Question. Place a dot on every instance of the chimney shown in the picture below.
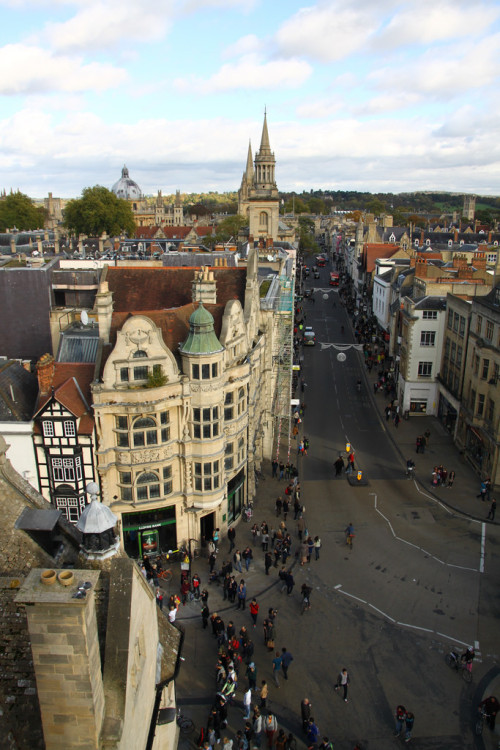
(45, 369)
(479, 262)
(104, 304)
(65, 648)
(269, 242)
(455, 235)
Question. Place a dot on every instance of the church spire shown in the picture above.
(264, 141)
(249, 169)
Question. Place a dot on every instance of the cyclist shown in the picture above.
(349, 533)
(490, 706)
(468, 658)
(410, 467)
(306, 596)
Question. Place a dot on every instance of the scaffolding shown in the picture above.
(284, 301)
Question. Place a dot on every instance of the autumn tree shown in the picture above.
(98, 211)
(18, 210)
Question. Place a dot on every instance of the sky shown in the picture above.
(386, 96)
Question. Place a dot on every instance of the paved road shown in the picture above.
(389, 609)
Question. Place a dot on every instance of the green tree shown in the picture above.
(230, 227)
(98, 211)
(307, 243)
(375, 206)
(18, 210)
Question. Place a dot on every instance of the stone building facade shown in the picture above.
(183, 400)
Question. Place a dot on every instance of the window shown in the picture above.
(459, 356)
(140, 373)
(475, 364)
(48, 428)
(472, 402)
(124, 374)
(205, 372)
(241, 401)
(427, 338)
(144, 432)
(214, 369)
(70, 507)
(491, 410)
(496, 368)
(167, 480)
(228, 457)
(462, 325)
(447, 345)
(207, 476)
(489, 330)
(228, 407)
(57, 470)
(241, 450)
(165, 431)
(485, 368)
(479, 324)
(148, 486)
(196, 372)
(139, 354)
(424, 369)
(206, 422)
(429, 315)
(121, 426)
(69, 428)
(453, 352)
(63, 469)
(480, 404)
(263, 219)
(449, 321)
(125, 486)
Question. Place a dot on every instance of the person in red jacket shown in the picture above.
(254, 611)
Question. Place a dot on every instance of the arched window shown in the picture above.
(144, 432)
(263, 219)
(140, 353)
(148, 486)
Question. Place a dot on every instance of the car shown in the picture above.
(316, 274)
(307, 293)
(309, 337)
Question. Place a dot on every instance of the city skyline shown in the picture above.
(392, 98)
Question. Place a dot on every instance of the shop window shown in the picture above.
(418, 407)
(48, 428)
(148, 487)
(424, 369)
(144, 432)
(427, 338)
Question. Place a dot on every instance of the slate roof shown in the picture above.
(431, 303)
(18, 392)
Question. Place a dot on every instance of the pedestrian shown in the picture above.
(492, 510)
(286, 506)
(251, 675)
(400, 718)
(409, 721)
(396, 419)
(277, 662)
(317, 547)
(301, 525)
(343, 682)
(211, 561)
(268, 561)
(286, 660)
(263, 693)
(310, 547)
(483, 490)
(227, 744)
(257, 727)
(290, 582)
(231, 535)
(282, 470)
(237, 560)
(339, 466)
(247, 555)
(305, 712)
(278, 504)
(247, 703)
(254, 611)
(451, 479)
(300, 448)
(159, 597)
(280, 742)
(274, 466)
(264, 540)
(205, 613)
(270, 727)
(306, 445)
(241, 741)
(241, 594)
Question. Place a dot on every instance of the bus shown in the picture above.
(334, 278)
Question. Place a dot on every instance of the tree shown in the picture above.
(98, 211)
(230, 227)
(18, 210)
(375, 206)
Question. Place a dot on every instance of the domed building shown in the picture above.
(127, 188)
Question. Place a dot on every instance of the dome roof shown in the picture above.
(96, 518)
(127, 188)
(201, 338)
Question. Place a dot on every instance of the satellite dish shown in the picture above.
(270, 258)
(84, 317)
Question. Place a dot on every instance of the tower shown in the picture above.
(258, 198)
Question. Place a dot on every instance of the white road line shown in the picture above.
(453, 640)
(415, 627)
(444, 507)
(424, 551)
(352, 596)
(384, 614)
(483, 542)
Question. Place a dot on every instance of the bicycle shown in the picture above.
(479, 725)
(185, 724)
(348, 540)
(165, 575)
(454, 661)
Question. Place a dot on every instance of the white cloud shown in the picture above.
(328, 32)
(244, 46)
(249, 73)
(26, 69)
(430, 21)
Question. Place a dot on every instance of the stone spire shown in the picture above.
(265, 162)
(249, 169)
(264, 141)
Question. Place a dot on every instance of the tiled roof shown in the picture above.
(18, 392)
(147, 289)
(71, 383)
(374, 250)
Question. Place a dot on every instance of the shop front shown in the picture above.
(475, 447)
(447, 414)
(149, 532)
(235, 497)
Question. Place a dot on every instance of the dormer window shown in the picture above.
(416, 243)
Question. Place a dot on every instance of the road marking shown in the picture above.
(483, 542)
(346, 593)
(425, 552)
(384, 614)
(454, 640)
(415, 627)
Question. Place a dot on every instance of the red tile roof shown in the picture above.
(71, 384)
(374, 250)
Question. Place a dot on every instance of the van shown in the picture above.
(309, 337)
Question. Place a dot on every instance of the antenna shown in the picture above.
(84, 317)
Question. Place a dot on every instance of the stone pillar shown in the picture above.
(65, 647)
(104, 303)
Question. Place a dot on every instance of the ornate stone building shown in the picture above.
(258, 198)
(183, 399)
(146, 213)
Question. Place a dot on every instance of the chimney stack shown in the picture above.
(66, 658)
(45, 369)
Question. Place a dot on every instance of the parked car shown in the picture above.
(316, 274)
